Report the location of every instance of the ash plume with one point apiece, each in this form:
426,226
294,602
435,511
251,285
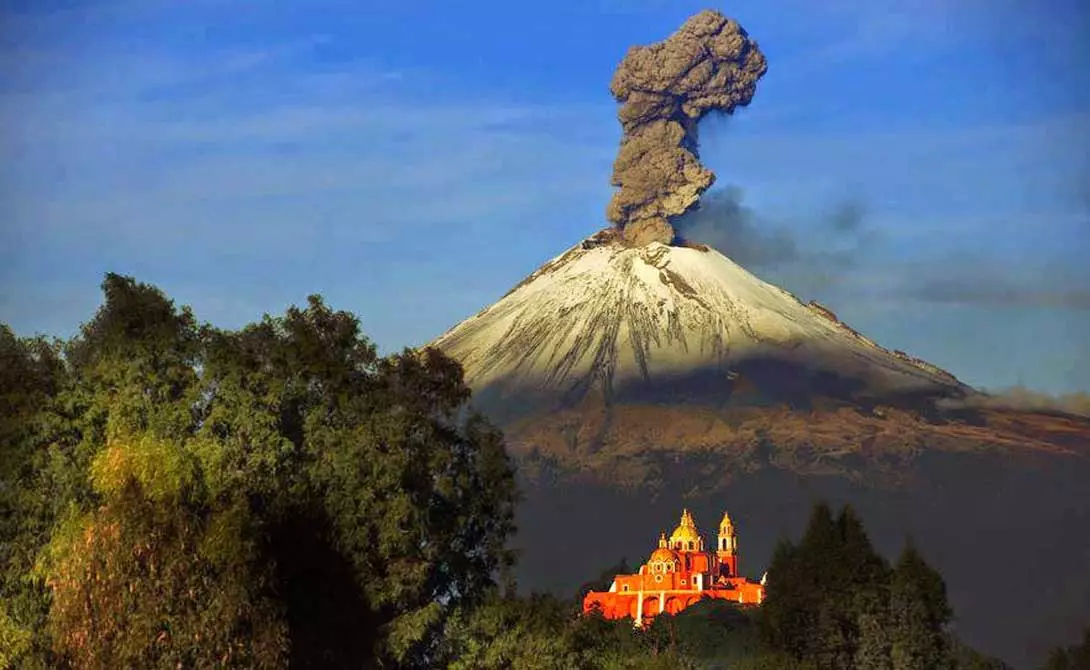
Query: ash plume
723,221
709,64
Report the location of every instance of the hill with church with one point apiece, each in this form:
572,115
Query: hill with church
680,572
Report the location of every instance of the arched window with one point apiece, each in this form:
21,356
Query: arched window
690,545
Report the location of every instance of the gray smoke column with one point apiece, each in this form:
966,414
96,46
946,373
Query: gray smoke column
709,64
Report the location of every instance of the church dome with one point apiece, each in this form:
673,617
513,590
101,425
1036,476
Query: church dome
685,532
663,555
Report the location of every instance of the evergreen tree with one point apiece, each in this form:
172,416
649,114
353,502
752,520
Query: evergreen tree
872,650
784,620
811,609
919,613
833,640
819,636
860,566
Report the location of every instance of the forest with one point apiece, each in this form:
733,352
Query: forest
174,494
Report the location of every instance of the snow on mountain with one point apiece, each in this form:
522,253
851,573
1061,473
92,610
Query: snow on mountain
602,315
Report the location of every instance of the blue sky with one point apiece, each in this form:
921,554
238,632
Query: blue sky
412,161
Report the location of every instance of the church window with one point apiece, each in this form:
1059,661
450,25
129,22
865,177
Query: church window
690,545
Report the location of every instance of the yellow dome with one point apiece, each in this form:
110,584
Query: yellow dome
684,534
686,531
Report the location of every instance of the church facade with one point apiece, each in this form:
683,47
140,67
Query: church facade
681,571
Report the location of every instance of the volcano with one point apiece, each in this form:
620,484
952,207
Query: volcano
631,380
610,349
606,324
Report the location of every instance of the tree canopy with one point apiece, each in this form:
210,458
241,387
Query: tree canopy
173,493
834,600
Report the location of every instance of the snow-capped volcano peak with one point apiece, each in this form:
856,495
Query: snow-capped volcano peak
607,316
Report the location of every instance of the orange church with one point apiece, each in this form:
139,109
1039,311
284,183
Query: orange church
680,572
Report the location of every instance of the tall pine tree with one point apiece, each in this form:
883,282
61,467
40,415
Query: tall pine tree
919,613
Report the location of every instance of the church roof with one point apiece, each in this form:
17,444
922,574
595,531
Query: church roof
663,554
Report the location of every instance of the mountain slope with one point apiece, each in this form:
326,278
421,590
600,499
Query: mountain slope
630,381
604,320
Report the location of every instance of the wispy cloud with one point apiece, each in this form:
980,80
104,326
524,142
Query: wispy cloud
993,290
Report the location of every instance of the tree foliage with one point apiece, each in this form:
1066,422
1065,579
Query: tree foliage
32,375
1075,657
918,614
174,494
834,600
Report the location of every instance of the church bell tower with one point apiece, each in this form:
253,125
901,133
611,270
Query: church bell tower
727,547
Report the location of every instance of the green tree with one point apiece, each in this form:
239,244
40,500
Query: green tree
151,582
511,632
814,590
872,621
786,614
123,372
205,497
381,494
1075,657
540,631
143,569
919,613
715,632
31,376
